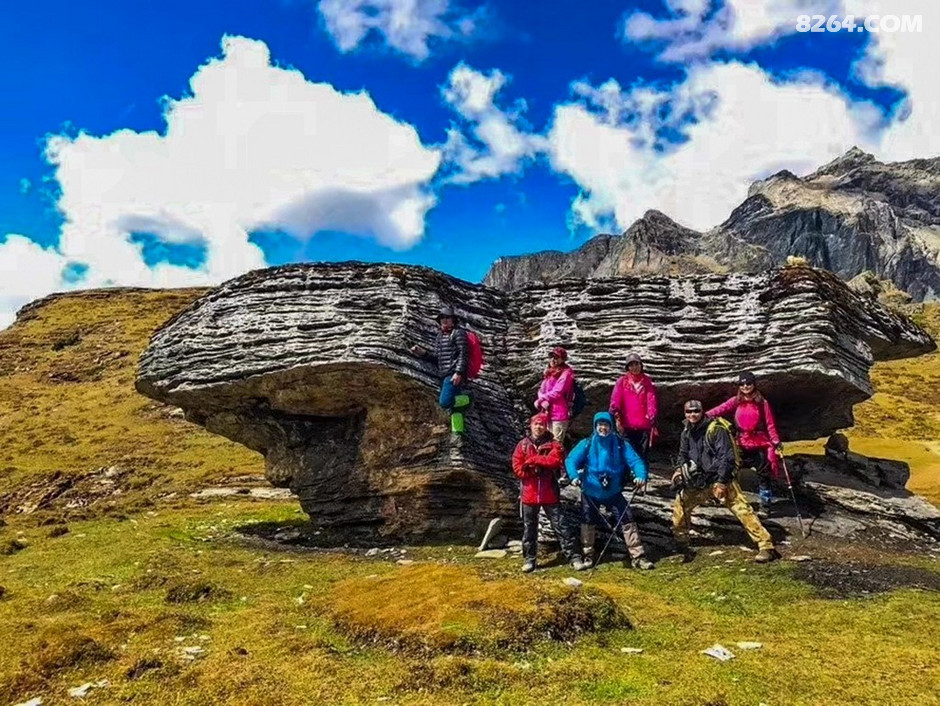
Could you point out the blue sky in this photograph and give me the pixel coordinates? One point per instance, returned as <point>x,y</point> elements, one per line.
<point>420,131</point>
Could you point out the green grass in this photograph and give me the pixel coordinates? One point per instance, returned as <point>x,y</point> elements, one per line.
<point>142,574</point>
<point>110,615</point>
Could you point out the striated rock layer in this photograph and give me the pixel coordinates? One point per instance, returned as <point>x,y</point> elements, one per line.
<point>309,365</point>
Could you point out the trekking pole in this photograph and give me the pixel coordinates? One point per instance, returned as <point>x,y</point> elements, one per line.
<point>786,474</point>
<point>613,529</point>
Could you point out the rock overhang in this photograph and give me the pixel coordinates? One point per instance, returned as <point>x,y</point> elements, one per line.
<point>309,365</point>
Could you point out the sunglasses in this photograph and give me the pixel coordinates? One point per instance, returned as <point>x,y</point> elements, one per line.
<point>693,411</point>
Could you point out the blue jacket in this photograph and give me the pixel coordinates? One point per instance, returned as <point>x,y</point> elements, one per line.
<point>597,456</point>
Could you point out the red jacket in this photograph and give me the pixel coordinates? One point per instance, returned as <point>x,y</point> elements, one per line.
<point>633,401</point>
<point>753,418</point>
<point>538,464</point>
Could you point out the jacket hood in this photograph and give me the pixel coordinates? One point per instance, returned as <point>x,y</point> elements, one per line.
<point>603,417</point>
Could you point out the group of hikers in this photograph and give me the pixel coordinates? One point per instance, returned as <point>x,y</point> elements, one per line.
<point>616,454</point>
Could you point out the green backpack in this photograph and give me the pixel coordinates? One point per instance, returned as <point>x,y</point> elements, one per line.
<point>712,433</point>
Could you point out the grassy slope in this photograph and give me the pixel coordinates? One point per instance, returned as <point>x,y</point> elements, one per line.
<point>74,410</point>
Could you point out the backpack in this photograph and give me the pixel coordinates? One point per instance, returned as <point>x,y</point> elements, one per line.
<point>474,355</point>
<point>578,400</point>
<point>712,431</point>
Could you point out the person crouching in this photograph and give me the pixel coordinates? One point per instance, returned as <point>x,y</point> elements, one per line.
<point>538,460</point>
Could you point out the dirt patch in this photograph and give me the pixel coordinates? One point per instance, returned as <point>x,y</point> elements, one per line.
<point>196,592</point>
<point>11,546</point>
<point>141,667</point>
<point>853,580</point>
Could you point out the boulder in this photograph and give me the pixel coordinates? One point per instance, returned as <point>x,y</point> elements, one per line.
<point>309,366</point>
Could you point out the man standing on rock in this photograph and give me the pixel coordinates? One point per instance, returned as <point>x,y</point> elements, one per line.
<point>707,467</point>
<point>451,353</point>
<point>600,464</point>
<point>538,460</point>
<point>633,406</point>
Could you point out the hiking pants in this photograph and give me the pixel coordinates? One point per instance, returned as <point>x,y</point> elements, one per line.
<point>530,531</point>
<point>617,505</point>
<point>640,441</point>
<point>454,400</point>
<point>764,460</point>
<point>690,498</point>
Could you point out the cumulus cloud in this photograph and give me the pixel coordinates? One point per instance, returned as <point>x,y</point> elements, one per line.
<point>698,28</point>
<point>692,150</point>
<point>737,124</point>
<point>407,26</point>
<point>499,141</point>
<point>27,271</point>
<point>253,147</point>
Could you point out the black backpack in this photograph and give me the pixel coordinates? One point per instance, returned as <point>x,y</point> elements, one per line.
<point>578,400</point>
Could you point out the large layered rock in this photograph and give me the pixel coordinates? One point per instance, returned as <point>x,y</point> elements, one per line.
<point>853,215</point>
<point>309,365</point>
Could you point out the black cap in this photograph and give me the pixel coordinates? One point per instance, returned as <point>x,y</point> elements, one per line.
<point>446,312</point>
<point>693,406</point>
<point>747,378</point>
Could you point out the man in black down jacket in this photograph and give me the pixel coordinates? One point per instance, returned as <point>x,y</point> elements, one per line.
<point>451,352</point>
<point>707,470</point>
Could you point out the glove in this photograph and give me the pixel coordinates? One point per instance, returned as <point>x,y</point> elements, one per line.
<point>678,483</point>
<point>779,447</point>
<point>576,482</point>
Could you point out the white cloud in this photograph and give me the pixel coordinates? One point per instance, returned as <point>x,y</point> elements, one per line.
<point>500,143</point>
<point>407,26</point>
<point>253,147</point>
<point>27,271</point>
<point>697,28</point>
<point>905,60</point>
<point>737,123</point>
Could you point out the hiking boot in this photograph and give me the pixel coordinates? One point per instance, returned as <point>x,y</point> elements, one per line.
<point>765,556</point>
<point>685,551</point>
<point>642,563</point>
<point>528,566</point>
<point>579,564</point>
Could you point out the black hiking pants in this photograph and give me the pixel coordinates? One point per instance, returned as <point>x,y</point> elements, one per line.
<point>530,531</point>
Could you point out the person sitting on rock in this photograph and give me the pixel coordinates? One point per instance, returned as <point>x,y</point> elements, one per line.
<point>633,406</point>
<point>707,470</point>
<point>600,465</point>
<point>557,392</point>
<point>538,460</point>
<point>451,353</point>
<point>757,434</point>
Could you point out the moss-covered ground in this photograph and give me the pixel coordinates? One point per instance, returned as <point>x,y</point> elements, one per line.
<point>161,595</point>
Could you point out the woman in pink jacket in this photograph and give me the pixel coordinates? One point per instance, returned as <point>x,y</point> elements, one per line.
<point>633,406</point>
<point>556,393</point>
<point>757,433</point>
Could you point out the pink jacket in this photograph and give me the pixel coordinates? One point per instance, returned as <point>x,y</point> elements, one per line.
<point>754,420</point>
<point>633,402</point>
<point>557,391</point>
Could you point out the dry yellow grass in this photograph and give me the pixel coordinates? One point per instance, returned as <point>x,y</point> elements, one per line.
<point>68,404</point>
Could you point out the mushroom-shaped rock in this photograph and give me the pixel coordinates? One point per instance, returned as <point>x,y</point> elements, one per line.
<point>310,366</point>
